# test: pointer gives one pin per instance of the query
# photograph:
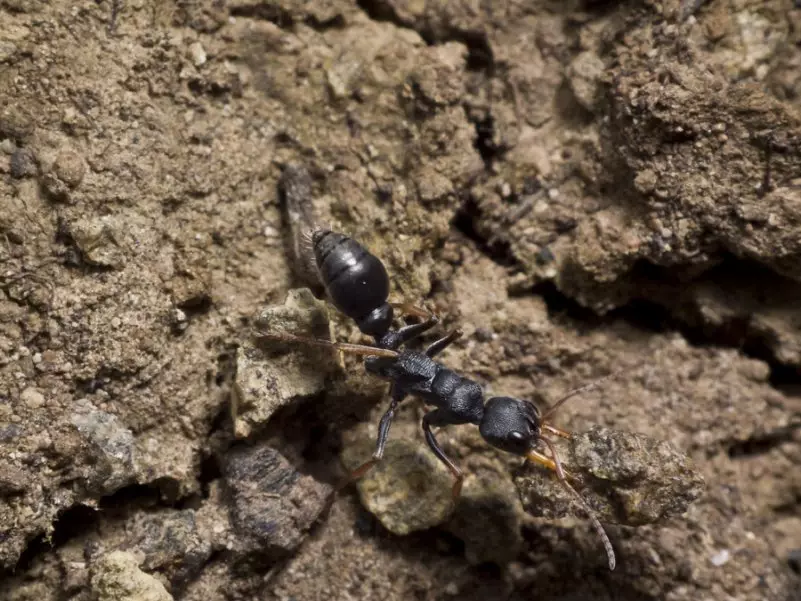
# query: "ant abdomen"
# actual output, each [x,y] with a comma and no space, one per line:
[356,280]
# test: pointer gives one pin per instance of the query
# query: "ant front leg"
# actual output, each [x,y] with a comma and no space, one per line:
[437,418]
[383,434]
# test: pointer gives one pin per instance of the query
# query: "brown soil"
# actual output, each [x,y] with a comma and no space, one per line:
[581,185]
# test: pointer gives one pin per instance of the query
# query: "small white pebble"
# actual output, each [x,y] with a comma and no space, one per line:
[270,232]
[721,558]
[451,589]
[197,53]
[553,193]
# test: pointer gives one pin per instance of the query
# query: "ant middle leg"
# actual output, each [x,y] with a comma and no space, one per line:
[435,418]
[383,434]
[353,349]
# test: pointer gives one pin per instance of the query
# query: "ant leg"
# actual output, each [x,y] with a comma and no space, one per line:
[537,457]
[409,309]
[557,431]
[440,345]
[353,349]
[596,523]
[577,391]
[435,418]
[407,333]
[383,435]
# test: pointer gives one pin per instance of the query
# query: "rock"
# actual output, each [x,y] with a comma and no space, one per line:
[12,479]
[409,490]
[626,478]
[488,518]
[197,54]
[584,75]
[70,168]
[271,374]
[113,444]
[274,505]
[32,398]
[23,163]
[171,543]
[117,577]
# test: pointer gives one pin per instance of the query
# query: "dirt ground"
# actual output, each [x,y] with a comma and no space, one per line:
[582,186]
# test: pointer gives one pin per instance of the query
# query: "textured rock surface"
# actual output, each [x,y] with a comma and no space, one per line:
[271,374]
[273,505]
[579,185]
[117,577]
[626,478]
[409,490]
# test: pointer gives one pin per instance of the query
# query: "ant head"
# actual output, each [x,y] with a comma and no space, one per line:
[378,321]
[510,424]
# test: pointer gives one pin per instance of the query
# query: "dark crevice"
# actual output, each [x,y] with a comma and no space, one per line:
[479,53]
[765,288]
[764,443]
[485,140]
[283,18]
[68,524]
[465,221]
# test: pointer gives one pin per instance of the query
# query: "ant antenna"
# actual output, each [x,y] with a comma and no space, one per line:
[560,474]
[576,391]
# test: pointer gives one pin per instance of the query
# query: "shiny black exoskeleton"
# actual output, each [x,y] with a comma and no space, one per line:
[355,279]
[507,423]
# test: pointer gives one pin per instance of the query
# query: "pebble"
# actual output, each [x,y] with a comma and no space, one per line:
[720,558]
[198,54]
[69,168]
[32,398]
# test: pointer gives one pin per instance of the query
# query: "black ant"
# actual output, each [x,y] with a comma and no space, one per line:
[358,285]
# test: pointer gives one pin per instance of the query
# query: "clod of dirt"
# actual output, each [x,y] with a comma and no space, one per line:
[274,505]
[409,490]
[584,76]
[117,577]
[488,518]
[626,478]
[97,241]
[15,123]
[271,373]
[64,176]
